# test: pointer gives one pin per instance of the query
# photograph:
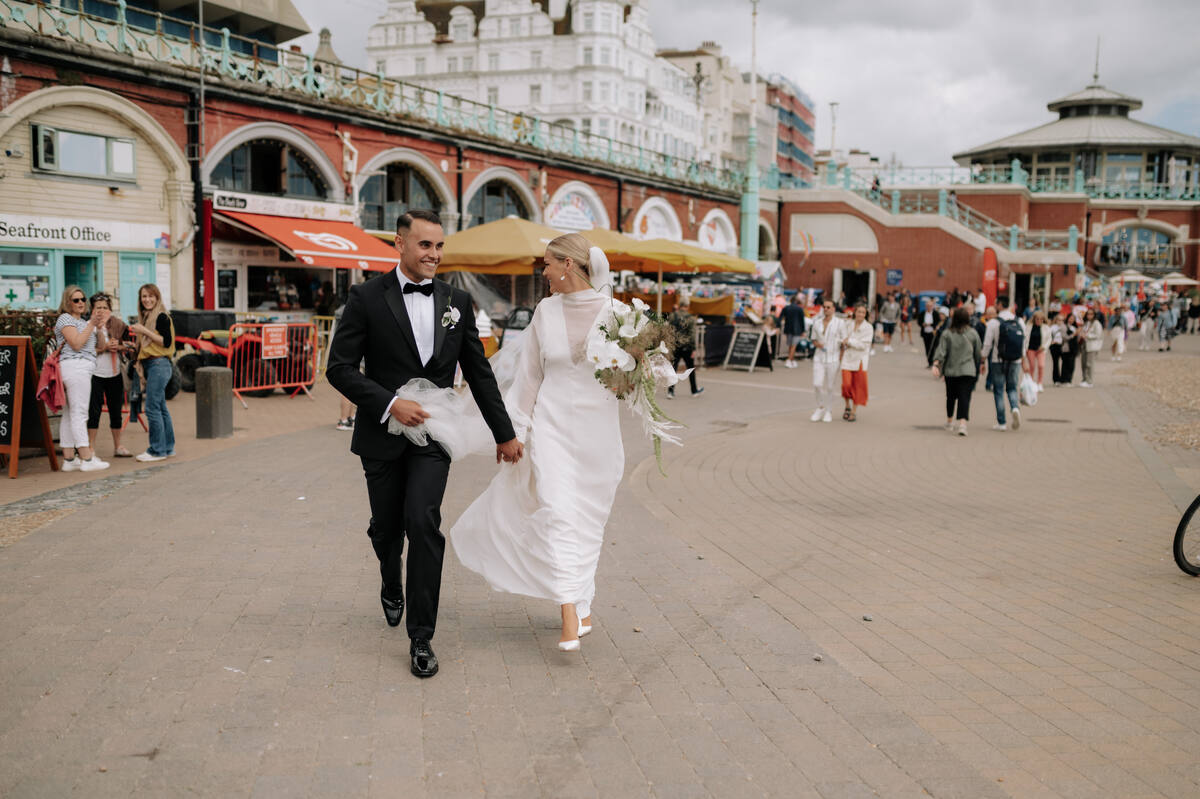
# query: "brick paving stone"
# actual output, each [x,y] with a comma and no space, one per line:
[1030,634]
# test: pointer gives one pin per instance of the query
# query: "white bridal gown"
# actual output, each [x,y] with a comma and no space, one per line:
[538,528]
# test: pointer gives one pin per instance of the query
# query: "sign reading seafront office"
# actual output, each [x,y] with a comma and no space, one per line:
[51,231]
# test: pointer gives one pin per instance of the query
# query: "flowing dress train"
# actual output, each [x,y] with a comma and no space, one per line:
[538,528]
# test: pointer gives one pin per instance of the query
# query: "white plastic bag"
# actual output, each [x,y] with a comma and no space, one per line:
[1028,390]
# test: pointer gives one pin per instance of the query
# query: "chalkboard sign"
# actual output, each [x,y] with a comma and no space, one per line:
[23,420]
[743,350]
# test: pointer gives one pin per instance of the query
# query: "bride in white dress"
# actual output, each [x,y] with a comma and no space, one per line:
[538,528]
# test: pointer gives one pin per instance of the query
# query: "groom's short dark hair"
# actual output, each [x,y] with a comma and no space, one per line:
[405,220]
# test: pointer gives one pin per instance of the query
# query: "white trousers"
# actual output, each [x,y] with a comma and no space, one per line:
[827,382]
[76,375]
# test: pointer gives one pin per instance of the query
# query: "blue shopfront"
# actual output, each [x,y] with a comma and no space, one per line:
[40,257]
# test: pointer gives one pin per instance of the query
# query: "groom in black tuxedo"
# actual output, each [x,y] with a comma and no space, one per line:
[406,325]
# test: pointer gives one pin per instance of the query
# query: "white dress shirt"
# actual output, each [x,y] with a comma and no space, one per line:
[420,319]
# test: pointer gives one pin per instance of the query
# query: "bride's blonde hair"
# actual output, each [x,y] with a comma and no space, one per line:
[573,246]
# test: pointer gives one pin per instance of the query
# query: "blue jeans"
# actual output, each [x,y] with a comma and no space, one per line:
[162,432]
[1003,377]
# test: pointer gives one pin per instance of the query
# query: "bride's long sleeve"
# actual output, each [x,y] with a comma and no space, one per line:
[527,378]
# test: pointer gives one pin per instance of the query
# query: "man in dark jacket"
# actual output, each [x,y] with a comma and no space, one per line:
[684,325]
[791,321]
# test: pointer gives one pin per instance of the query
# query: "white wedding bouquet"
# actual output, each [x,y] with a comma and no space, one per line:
[632,356]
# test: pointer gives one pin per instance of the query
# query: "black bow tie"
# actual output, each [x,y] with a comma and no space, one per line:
[419,288]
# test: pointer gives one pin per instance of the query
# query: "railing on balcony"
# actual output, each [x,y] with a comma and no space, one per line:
[1014,175]
[1144,257]
[110,25]
[941,202]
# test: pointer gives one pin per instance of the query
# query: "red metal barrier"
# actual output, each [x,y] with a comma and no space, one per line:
[268,356]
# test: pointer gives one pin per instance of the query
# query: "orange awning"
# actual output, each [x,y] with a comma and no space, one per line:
[319,242]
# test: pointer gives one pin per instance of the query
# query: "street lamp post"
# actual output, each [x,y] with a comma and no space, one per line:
[749,211]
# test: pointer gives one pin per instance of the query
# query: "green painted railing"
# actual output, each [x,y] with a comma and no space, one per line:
[940,202]
[1014,175]
[110,25]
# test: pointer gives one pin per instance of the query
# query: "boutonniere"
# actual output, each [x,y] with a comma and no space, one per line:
[450,317]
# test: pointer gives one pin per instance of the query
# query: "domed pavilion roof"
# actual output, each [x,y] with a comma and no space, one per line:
[1095,117]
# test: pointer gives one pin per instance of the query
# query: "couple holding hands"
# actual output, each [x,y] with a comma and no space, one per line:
[537,528]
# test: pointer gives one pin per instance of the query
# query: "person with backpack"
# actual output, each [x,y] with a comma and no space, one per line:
[1004,347]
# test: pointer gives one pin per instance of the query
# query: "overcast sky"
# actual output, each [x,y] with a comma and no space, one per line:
[919,79]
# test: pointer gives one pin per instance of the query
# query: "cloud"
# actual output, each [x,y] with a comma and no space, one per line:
[921,79]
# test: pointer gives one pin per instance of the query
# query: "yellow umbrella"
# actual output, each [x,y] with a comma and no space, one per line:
[505,247]
[617,246]
[663,255]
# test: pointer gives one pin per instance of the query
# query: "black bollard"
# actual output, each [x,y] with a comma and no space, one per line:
[214,402]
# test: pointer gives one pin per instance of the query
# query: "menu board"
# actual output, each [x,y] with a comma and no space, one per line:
[743,350]
[23,420]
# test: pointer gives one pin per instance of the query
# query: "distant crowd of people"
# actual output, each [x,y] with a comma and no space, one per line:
[965,338]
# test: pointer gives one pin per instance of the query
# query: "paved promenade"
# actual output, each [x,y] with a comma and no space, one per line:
[799,610]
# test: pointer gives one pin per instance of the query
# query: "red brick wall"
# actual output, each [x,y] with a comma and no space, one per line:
[1057,216]
[1007,209]
[919,252]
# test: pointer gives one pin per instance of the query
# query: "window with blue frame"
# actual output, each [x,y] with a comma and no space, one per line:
[1132,245]
[27,278]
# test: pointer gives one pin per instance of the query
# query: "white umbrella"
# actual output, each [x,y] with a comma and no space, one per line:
[1178,279]
[1130,276]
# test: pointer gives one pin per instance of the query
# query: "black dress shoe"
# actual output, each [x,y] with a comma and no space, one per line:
[393,609]
[424,662]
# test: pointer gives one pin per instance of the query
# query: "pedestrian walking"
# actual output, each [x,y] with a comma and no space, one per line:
[1057,331]
[684,325]
[929,321]
[906,319]
[1071,347]
[156,345]
[825,333]
[1004,349]
[791,321]
[1117,333]
[958,357]
[856,350]
[108,386]
[889,315]
[1092,334]
[1035,354]
[1165,327]
[75,339]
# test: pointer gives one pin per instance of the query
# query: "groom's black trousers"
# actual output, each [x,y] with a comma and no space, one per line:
[406,501]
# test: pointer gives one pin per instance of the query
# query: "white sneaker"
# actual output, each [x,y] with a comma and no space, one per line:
[1000,428]
[828,417]
[93,465]
[962,429]
[791,364]
[1016,415]
[71,465]
[872,350]
[1040,388]
[146,457]
[816,415]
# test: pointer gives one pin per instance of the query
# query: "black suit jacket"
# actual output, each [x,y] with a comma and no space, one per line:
[375,327]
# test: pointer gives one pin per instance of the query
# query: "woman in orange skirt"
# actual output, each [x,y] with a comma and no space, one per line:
[856,351]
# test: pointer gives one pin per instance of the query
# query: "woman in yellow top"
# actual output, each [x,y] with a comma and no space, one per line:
[156,344]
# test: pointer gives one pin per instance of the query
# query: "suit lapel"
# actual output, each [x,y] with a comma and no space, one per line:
[393,295]
[441,301]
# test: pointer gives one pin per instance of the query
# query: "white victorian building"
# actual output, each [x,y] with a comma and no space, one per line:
[589,64]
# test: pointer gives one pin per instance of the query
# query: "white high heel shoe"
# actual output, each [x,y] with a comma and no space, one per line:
[571,646]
